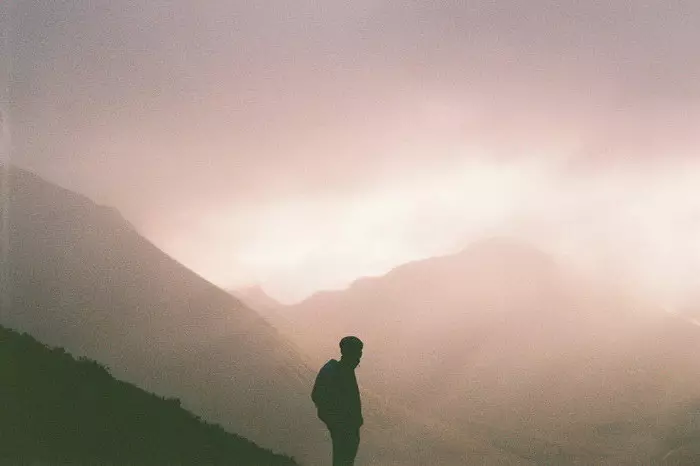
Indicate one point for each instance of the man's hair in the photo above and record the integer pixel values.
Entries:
(350, 344)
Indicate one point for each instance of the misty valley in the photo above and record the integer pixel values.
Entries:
(495, 355)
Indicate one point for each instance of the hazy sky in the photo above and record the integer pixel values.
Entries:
(301, 144)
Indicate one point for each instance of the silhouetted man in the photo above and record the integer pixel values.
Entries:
(337, 399)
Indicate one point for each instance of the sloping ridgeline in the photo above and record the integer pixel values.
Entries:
(82, 278)
(59, 410)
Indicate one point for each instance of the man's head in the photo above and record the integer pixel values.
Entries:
(351, 351)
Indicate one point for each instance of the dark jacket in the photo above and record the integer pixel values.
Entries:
(337, 396)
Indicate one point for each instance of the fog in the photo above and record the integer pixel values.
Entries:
(297, 145)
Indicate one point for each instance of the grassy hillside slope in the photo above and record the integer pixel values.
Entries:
(58, 409)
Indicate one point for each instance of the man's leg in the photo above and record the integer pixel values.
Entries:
(345, 446)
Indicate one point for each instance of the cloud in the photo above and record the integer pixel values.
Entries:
(635, 228)
(177, 112)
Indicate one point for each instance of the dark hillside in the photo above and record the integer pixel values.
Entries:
(56, 409)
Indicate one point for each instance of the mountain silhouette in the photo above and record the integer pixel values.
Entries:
(59, 410)
(82, 278)
(256, 298)
(503, 341)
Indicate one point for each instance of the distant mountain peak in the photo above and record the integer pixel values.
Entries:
(499, 250)
(489, 257)
(256, 297)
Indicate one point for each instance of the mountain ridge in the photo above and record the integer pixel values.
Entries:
(84, 280)
(502, 335)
